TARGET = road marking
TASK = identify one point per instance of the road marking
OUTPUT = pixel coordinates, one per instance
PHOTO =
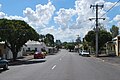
(60, 59)
(53, 67)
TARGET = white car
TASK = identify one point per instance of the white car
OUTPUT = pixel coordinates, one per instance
(84, 53)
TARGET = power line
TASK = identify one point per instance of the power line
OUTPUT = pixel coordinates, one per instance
(111, 8)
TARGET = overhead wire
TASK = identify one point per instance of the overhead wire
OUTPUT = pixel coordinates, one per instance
(108, 10)
(111, 8)
(104, 13)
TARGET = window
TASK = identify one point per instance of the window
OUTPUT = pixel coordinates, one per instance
(35, 49)
(28, 49)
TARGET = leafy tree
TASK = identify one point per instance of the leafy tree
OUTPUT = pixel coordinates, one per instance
(114, 30)
(65, 44)
(42, 37)
(49, 40)
(70, 46)
(85, 45)
(58, 44)
(78, 40)
(103, 37)
(16, 33)
(90, 37)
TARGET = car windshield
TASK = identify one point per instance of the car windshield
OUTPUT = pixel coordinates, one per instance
(60, 39)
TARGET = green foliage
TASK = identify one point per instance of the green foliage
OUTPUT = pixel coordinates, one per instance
(90, 37)
(49, 40)
(64, 44)
(114, 30)
(78, 40)
(103, 37)
(58, 42)
(16, 33)
(42, 37)
(71, 47)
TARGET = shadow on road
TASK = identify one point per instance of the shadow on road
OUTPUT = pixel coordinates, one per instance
(22, 62)
(2, 70)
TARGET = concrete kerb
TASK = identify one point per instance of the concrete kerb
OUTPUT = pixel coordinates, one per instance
(109, 60)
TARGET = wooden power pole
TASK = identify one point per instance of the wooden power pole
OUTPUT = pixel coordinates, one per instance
(97, 29)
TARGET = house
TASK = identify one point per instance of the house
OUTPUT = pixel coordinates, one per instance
(113, 47)
(6, 52)
(110, 48)
(32, 46)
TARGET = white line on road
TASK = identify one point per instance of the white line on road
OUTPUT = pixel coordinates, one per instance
(53, 67)
(60, 59)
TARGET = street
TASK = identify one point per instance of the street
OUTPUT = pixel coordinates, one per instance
(64, 66)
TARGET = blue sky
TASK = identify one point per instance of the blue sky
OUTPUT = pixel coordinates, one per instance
(62, 18)
(16, 7)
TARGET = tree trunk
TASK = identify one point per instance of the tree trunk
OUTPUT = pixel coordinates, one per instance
(14, 56)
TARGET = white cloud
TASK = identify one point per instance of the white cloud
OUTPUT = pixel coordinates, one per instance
(70, 22)
(116, 18)
(41, 16)
(2, 15)
(63, 35)
(64, 17)
(82, 11)
(80, 25)
(118, 24)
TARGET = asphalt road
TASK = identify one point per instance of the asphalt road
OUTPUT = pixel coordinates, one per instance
(63, 66)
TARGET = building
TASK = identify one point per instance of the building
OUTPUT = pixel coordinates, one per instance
(110, 48)
(32, 46)
(6, 52)
(113, 47)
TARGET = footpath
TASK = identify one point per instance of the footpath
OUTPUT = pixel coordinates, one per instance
(110, 59)
(22, 60)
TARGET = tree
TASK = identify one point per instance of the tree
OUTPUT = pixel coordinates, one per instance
(49, 40)
(58, 44)
(114, 30)
(78, 40)
(65, 45)
(90, 37)
(71, 46)
(42, 37)
(16, 33)
(103, 37)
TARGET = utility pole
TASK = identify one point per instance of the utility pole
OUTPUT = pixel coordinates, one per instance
(97, 29)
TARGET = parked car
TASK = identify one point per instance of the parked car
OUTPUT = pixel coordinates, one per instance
(39, 55)
(4, 64)
(84, 53)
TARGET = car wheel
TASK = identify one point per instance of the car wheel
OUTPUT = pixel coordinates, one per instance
(5, 67)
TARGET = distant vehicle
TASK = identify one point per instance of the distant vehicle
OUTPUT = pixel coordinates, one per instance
(84, 53)
(39, 55)
(4, 64)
